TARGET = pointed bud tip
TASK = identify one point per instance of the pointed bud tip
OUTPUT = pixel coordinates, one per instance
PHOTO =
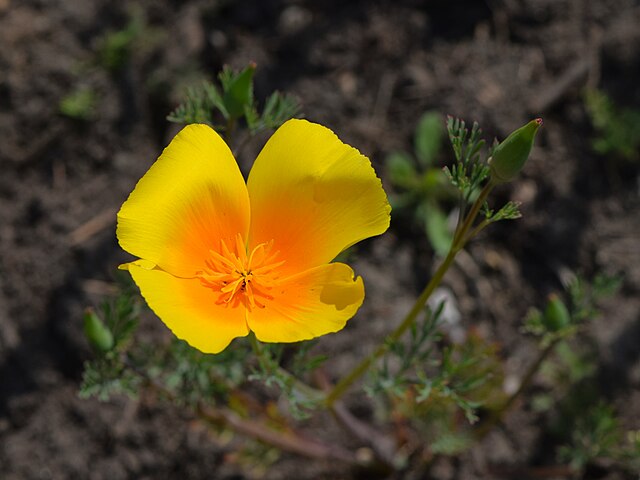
(510, 155)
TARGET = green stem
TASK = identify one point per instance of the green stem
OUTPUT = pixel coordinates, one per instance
(257, 350)
(459, 238)
(364, 365)
(481, 226)
(229, 129)
(457, 244)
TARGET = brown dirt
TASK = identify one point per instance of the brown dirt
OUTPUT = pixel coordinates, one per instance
(365, 69)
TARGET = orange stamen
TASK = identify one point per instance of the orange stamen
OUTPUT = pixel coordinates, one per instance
(239, 278)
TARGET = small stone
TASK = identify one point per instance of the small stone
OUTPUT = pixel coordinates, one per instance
(450, 316)
(293, 19)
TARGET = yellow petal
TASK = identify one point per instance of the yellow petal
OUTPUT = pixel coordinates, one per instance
(307, 305)
(313, 195)
(192, 197)
(189, 309)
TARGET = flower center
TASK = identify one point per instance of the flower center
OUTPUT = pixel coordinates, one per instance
(240, 278)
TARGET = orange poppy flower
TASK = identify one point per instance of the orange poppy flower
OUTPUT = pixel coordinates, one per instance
(218, 257)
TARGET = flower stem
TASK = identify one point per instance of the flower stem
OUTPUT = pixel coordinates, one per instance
(459, 237)
(229, 129)
(364, 365)
(457, 244)
(481, 226)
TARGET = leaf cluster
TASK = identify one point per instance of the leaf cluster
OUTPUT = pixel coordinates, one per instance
(509, 211)
(426, 374)
(597, 433)
(470, 170)
(123, 366)
(194, 377)
(585, 425)
(271, 357)
(79, 104)
(618, 128)
(422, 189)
(580, 306)
(115, 48)
(232, 100)
(106, 374)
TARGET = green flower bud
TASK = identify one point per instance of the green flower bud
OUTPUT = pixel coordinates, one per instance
(97, 332)
(510, 155)
(556, 316)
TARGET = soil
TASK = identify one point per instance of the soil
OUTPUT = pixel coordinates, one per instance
(368, 70)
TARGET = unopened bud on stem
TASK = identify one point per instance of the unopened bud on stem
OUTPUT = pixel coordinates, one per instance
(97, 332)
(556, 316)
(510, 155)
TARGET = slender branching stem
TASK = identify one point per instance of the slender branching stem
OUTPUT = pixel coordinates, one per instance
(459, 237)
(288, 440)
(496, 416)
(366, 363)
(457, 244)
(481, 226)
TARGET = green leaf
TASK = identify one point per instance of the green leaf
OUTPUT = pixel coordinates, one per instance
(617, 128)
(433, 182)
(468, 172)
(401, 170)
(252, 117)
(238, 91)
(533, 322)
(403, 201)
(509, 211)
(451, 443)
(214, 98)
(278, 109)
(115, 48)
(79, 104)
(436, 225)
(198, 106)
(428, 139)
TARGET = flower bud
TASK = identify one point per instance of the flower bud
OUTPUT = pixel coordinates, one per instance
(556, 316)
(510, 155)
(97, 332)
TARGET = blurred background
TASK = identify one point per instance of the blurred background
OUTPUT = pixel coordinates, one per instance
(85, 88)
